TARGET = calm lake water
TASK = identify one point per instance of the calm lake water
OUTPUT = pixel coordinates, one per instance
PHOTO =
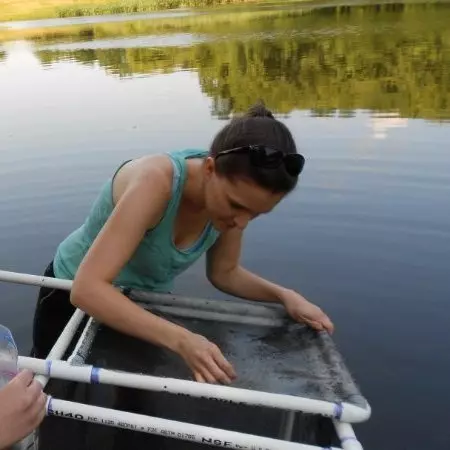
(365, 90)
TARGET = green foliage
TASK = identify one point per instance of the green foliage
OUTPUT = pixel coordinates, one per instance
(216, 22)
(40, 9)
(128, 7)
(391, 58)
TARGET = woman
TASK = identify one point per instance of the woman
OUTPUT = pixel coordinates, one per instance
(160, 213)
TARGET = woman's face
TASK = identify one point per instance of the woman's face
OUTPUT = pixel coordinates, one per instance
(233, 203)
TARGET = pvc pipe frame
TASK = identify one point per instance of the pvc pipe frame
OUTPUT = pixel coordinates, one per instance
(163, 427)
(152, 425)
(35, 280)
(57, 351)
(346, 412)
(61, 344)
(89, 332)
(233, 311)
(154, 297)
(218, 316)
(287, 425)
(89, 374)
(347, 436)
(169, 428)
(238, 307)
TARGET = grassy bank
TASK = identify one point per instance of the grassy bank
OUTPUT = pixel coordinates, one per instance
(46, 9)
(224, 23)
(40, 9)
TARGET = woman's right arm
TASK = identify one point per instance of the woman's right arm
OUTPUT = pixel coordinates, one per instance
(139, 208)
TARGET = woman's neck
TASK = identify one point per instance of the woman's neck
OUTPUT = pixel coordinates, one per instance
(193, 196)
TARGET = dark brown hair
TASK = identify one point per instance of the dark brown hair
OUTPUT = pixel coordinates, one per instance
(257, 127)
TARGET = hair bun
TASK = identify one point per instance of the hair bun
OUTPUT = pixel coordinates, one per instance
(259, 110)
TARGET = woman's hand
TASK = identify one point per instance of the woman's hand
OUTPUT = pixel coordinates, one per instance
(22, 408)
(303, 311)
(205, 360)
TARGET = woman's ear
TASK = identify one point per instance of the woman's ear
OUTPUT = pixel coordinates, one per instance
(209, 166)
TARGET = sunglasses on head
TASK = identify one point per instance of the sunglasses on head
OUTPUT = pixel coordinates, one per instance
(268, 158)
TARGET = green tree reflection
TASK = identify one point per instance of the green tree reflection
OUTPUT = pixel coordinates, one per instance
(380, 58)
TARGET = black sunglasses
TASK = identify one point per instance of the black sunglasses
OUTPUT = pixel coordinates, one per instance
(268, 158)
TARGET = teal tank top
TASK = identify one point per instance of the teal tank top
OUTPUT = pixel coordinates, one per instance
(156, 261)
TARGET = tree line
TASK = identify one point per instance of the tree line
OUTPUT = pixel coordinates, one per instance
(382, 59)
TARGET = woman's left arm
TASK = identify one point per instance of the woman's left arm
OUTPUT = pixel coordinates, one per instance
(226, 274)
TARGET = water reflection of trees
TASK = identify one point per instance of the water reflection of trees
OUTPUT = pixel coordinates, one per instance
(2, 56)
(381, 59)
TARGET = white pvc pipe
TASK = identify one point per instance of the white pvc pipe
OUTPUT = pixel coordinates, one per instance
(287, 425)
(89, 374)
(161, 301)
(345, 411)
(79, 344)
(225, 306)
(56, 352)
(61, 344)
(194, 313)
(168, 428)
(35, 280)
(347, 436)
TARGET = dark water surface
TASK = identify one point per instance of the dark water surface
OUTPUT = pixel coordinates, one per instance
(365, 90)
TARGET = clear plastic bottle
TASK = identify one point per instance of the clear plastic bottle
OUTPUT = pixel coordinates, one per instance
(8, 370)
(8, 356)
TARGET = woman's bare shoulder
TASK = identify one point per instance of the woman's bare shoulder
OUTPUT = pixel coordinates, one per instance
(145, 174)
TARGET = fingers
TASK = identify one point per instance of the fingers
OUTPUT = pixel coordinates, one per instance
(41, 414)
(213, 368)
(320, 323)
(204, 376)
(224, 365)
(23, 378)
(214, 373)
(199, 378)
(34, 390)
(328, 325)
(318, 326)
(311, 322)
(37, 411)
(324, 325)
(221, 369)
(208, 376)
